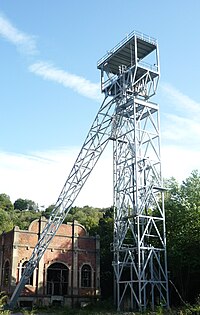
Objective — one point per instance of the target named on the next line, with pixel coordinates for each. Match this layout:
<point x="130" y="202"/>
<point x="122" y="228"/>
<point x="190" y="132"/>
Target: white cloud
<point x="180" y="134"/>
<point x="41" y="176"/>
<point x="180" y="100"/>
<point x="181" y="126"/>
<point x="25" y="43"/>
<point x="79" y="84"/>
<point x="179" y="162"/>
<point x="184" y="131"/>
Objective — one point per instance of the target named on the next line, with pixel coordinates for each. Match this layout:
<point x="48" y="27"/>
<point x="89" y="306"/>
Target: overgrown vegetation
<point x="182" y="205"/>
<point x="189" y="310"/>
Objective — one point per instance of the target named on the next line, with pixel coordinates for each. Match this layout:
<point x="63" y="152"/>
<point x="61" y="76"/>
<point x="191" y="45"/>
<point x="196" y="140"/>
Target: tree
<point x="5" y="203"/>
<point x="25" y="204"/>
<point x="48" y="211"/>
<point x="190" y="191"/>
<point x="20" y="204"/>
<point x="6" y="223"/>
<point x="105" y="231"/>
<point x="87" y="216"/>
<point x="182" y="204"/>
<point x="23" y="218"/>
<point x="31" y="205"/>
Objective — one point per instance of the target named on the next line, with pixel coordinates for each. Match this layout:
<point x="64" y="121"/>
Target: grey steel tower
<point x="127" y="117"/>
<point x="130" y="74"/>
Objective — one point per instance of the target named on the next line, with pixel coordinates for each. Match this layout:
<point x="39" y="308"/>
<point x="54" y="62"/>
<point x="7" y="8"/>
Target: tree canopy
<point x="182" y="205"/>
<point x="5" y="203"/>
<point x="25" y="204"/>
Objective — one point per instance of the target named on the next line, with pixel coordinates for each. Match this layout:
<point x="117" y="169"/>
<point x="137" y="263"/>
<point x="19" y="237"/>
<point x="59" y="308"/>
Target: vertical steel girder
<point x="139" y="244"/>
<point x="131" y="121"/>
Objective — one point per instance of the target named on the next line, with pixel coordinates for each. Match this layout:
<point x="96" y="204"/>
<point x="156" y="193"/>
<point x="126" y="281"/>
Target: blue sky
<point x="50" y="89"/>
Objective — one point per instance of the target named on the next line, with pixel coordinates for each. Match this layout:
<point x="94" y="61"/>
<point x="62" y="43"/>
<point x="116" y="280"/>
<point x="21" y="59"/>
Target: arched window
<point x="86" y="276"/>
<point x="6" y="274"/>
<point x="57" y="279"/>
<point x="30" y="280"/>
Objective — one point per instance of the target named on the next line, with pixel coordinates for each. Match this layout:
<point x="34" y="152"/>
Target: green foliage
<point x="3" y="298"/>
<point x="87" y="216"/>
<point x="48" y="211"/>
<point x="25" y="204"/>
<point x="105" y="231"/>
<point x="3" y="302"/>
<point x="23" y="219"/>
<point x="5" y="223"/>
<point x="5" y="203"/>
<point x="104" y="308"/>
<point x="20" y="204"/>
<point x="11" y="216"/>
<point x="182" y="204"/>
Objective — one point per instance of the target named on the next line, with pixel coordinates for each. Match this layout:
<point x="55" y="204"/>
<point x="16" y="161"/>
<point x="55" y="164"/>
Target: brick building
<point x="67" y="274"/>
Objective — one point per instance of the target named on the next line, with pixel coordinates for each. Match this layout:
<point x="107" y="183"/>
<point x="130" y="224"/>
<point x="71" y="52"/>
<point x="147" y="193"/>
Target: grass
<point x="188" y="310"/>
<point x="103" y="308"/>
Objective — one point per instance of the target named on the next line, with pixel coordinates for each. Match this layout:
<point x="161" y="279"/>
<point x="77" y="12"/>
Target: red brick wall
<point x="6" y="241"/>
<point x="60" y="248"/>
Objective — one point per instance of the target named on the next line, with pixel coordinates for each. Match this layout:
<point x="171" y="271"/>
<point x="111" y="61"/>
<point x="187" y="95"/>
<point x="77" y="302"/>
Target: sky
<point x="50" y="89"/>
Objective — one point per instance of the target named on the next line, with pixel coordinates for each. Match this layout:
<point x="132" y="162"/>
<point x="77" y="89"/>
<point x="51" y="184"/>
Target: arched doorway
<point x="57" y="279"/>
<point x="6" y="274"/>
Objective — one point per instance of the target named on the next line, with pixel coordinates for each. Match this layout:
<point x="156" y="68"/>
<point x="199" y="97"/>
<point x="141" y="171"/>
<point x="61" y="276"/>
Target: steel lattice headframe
<point x="129" y="78"/>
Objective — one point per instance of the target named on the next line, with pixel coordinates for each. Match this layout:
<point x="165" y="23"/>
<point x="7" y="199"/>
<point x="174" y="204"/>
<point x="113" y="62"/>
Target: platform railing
<point x="126" y="39"/>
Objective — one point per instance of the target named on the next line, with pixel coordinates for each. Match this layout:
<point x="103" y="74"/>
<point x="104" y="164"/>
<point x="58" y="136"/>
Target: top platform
<point x="124" y="52"/>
